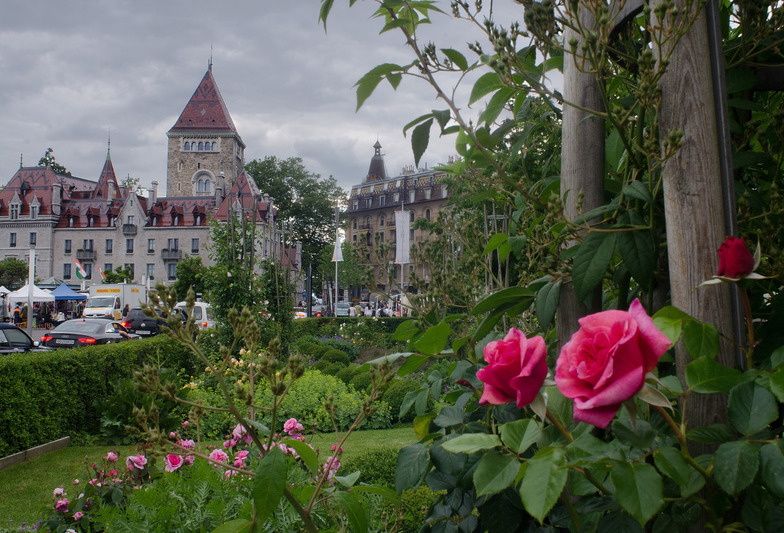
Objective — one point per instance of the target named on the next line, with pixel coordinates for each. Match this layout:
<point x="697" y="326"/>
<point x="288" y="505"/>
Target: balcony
<point x="85" y="255"/>
<point x="171" y="255"/>
<point x="364" y="227"/>
<point x="129" y="229"/>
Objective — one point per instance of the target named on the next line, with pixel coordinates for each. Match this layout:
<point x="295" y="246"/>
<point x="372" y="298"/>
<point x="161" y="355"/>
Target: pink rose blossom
<point x="605" y="362"/>
<point x="59" y="492"/>
<point x="172" y="434"/>
<point x="218" y="456"/>
<point x="185" y="424"/>
<point x="188" y="444"/>
<point x="240" y="434"/>
<point x="136" y="461"/>
<point x="231" y="443"/>
<point x="61" y="506"/>
<point x="189" y="460"/>
<point x="292" y="426"/>
<point x="173" y="462"/>
<point x="111" y="457"/>
<point x="78" y="515"/>
<point x="516" y="368"/>
<point x="113" y="473"/>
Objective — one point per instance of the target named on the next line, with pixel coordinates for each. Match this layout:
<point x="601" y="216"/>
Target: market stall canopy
<point x="50" y="283"/>
<point x="39" y="295"/>
<point x="3" y="290"/>
<point x="64" y="292"/>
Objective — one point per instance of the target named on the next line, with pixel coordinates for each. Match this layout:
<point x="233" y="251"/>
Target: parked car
<point x="15" y="340"/>
<point x="202" y="314"/>
<point x="139" y="323"/>
<point x="342" y="309"/>
<point x="302" y="312"/>
<point x="87" y="332"/>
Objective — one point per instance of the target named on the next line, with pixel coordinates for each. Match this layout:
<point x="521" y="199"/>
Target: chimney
<point x="111" y="191"/>
<point x="57" y="197"/>
<point x="152" y="193"/>
<point x="219" y="189"/>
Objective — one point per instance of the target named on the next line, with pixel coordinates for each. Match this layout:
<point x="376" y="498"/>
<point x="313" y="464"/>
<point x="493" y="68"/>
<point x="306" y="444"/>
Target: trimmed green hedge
<point x="48" y="395"/>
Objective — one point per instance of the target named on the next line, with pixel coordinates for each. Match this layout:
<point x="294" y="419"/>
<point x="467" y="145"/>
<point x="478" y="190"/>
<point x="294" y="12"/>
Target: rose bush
<point x="516" y="368"/>
<point x="735" y="260"/>
<point x="606" y="361"/>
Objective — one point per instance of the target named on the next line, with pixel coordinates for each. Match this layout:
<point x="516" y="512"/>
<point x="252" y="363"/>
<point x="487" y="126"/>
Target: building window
<point x="12" y="244"/>
<point x="411" y="236"/>
<point x="33" y="212"/>
<point x="130" y="219"/>
<point x="107" y="267"/>
<point x="411" y="196"/>
<point x="354" y="223"/>
<point x="67" y="271"/>
<point x="214" y="146"/>
<point x="90" y="221"/>
<point x="175" y="220"/>
<point x="411" y="216"/>
<point x="131" y="268"/>
<point x="174" y="244"/>
<point x="150" y="246"/>
<point x="33" y="238"/>
<point x="128" y="246"/>
<point x="109" y="246"/>
<point x="382" y="200"/>
<point x="172" y="271"/>
<point x="381" y="236"/>
<point x="88" y="268"/>
<point x="87" y="245"/>
<point x="397" y="197"/>
<point x="428" y="193"/>
<point x="356" y="204"/>
<point x="369" y="202"/>
<point x="68" y="246"/>
<point x="194" y="246"/>
<point x="150" y="270"/>
<point x="443" y="191"/>
<point x="381" y="220"/>
<point x="14" y="211"/>
<point x="427" y="214"/>
<point x="355" y="237"/>
<point x="187" y="146"/>
<point x="201" y="146"/>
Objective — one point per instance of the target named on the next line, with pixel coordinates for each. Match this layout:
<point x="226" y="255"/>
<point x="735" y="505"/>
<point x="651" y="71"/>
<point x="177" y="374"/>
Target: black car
<point x="14" y="340"/>
<point x="137" y="322"/>
<point x="87" y="332"/>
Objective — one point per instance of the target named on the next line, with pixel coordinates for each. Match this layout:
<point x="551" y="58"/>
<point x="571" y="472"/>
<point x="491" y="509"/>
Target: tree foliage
<point x="13" y="273"/>
<point x="48" y="160"/>
<point x="190" y="275"/>
<point x="119" y="275"/>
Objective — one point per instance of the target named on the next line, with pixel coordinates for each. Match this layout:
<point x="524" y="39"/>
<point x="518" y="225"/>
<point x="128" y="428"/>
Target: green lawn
<point x="27" y="488"/>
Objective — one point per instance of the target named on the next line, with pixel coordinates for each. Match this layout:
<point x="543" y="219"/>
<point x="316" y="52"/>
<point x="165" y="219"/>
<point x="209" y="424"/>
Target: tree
<point x="130" y="183"/>
<point x="304" y="199"/>
<point x="48" y="161"/>
<point x="190" y="275"/>
<point x="119" y="275"/>
<point x="13" y="273"/>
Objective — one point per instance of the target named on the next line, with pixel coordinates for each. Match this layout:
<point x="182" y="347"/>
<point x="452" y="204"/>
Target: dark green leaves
<point x="592" y="261"/>
<point x="495" y="472"/>
<point x="411" y="466"/>
<point x="638" y="488"/>
<point x="735" y="466"/>
<point x="705" y="375"/>
<point x="354" y="512"/>
<point x="751" y="408"/>
<point x="269" y="483"/>
<point x="434" y="339"/>
<point x="368" y="83"/>
<point x="543" y="481"/>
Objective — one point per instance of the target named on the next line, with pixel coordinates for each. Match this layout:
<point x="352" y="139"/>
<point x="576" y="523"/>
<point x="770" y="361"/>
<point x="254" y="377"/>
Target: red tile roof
<point x="206" y="110"/>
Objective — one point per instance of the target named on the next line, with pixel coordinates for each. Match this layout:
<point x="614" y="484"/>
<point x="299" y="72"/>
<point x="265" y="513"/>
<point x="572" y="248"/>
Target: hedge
<point x="48" y="395"/>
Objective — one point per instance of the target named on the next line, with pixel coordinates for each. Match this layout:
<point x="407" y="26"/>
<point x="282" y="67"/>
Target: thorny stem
<point x="750" y="328"/>
<point x="680" y="435"/>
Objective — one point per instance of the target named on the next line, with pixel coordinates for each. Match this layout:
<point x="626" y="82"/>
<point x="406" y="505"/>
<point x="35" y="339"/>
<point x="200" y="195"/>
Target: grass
<point x="27" y="488"/>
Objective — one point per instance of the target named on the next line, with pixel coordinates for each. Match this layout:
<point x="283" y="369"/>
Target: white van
<point x="202" y="314"/>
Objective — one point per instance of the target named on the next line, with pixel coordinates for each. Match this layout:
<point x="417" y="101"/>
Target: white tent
<point x="39" y="295"/>
<point x="3" y="290"/>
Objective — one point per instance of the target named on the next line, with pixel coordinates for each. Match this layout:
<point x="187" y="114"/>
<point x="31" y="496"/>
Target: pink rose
<point x="605" y="362"/>
<point x="111" y="457"/>
<point x="61" y="505"/>
<point x="218" y="456"/>
<point x="516" y="368"/>
<point x="185" y="424"/>
<point x="59" y="492"/>
<point x="136" y="461"/>
<point x="188" y="444"/>
<point x="173" y="462"/>
<point x="78" y="515"/>
<point x="735" y="260"/>
<point x="292" y="426"/>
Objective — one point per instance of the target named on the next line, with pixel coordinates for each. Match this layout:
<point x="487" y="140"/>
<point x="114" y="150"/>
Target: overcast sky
<point x="73" y="71"/>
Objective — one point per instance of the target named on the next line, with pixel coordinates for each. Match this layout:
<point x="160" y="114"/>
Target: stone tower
<point x="203" y="143"/>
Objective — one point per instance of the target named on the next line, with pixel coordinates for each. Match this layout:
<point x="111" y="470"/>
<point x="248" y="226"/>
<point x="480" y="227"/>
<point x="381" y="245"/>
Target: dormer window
<point x="428" y="193"/>
<point x="411" y="196"/>
<point x="175" y="220"/>
<point x="154" y="220"/>
<point x="14" y="211"/>
<point x="34" y="212"/>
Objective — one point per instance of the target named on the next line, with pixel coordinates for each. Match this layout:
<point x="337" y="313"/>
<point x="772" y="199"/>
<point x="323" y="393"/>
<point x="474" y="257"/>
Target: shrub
<point x="376" y="466"/>
<point x="305" y="402"/>
<point x="333" y="368"/>
<point x="361" y="381"/>
<point x="394" y="395"/>
<point x="346" y="374"/>
<point x="336" y="356"/>
<point x="47" y="395"/>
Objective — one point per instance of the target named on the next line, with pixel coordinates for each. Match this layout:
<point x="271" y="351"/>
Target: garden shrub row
<point x="48" y="395"/>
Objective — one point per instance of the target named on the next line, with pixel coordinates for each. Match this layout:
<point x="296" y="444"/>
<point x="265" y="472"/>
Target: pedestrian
<point x="126" y="309"/>
<point x="17" y="315"/>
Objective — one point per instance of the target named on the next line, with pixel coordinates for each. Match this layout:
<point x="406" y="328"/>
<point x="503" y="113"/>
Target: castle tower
<point x="202" y="143"/>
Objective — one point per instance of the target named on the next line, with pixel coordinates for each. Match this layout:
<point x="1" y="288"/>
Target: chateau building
<point x="103" y="225"/>
<point x="372" y="224"/>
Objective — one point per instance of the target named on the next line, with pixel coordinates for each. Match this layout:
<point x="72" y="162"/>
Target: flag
<point x="100" y="271"/>
<point x="337" y="255"/>
<point x="403" y="227"/>
<point x="81" y="273"/>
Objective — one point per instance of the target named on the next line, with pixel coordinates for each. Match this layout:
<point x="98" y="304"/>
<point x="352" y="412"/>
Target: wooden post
<point x="582" y="161"/>
<point x="693" y="207"/>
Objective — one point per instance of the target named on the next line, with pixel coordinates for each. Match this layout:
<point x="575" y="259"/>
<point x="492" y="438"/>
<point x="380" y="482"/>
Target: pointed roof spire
<point x="377" y="170"/>
<point x="206" y="110"/>
<point x="109" y="147"/>
<point x="107" y="176"/>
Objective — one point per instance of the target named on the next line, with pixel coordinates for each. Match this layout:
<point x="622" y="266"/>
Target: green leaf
<point x="385" y="492"/>
<point x="748" y="159"/>
<point x="456" y="58"/>
<point x="735" y="466"/>
<point x="495" y="472"/>
<point x="354" y="512"/>
<point x="700" y="339"/>
<point x="751" y="408"/>
<point x="591" y="262"/>
<point x="638" y="488"/>
<point x="544" y="480"/>
<point x="412" y="464"/>
<point x="349" y="480"/>
<point x="777" y="357"/>
<point x="638" y="190"/>
<point x="669" y="320"/>
<point x="240" y="525"/>
<point x="368" y="83"/>
<point x="405" y="331"/>
<point x="412" y="364"/>
<point x="706" y="376"/>
<point x="777" y="384"/>
<point x="451" y="415"/>
<point x="773" y="468"/>
<point x="486" y="84"/>
<point x="519" y="435"/>
<point x="672" y="464"/>
<point x="420" y="138"/>
<point x="514" y="294"/>
<point x="637" y="251"/>
<point x="547" y="300"/>
<point x="269" y="483"/>
<point x="517" y="243"/>
<point x="495" y="241"/>
<point x="306" y="453"/>
<point x="713" y="434"/>
<point x="442" y="117"/>
<point x="434" y="339"/>
<point x="472" y="442"/>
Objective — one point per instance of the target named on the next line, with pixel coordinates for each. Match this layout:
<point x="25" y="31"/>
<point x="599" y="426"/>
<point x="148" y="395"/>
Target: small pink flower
<point x="219" y="456"/>
<point x="231" y="443"/>
<point x="172" y="434"/>
<point x="111" y="457"/>
<point x="189" y="460"/>
<point x="188" y="444"/>
<point x="185" y="424"/>
<point x="59" y="492"/>
<point x="335" y="447"/>
<point x="61" y="506"/>
<point x="173" y="462"/>
<point x="240" y="434"/>
<point x="241" y="455"/>
<point x="78" y="515"/>
<point x="136" y="461"/>
<point x="292" y="427"/>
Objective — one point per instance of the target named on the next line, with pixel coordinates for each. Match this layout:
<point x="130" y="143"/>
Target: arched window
<point x="207" y="146"/>
<point x="206" y="185"/>
<point x="187" y="146"/>
<point x="427" y="214"/>
<point x="381" y="220"/>
<point x="154" y="220"/>
<point x="411" y="216"/>
<point x="201" y="146"/>
<point x="354" y="223"/>
<point x="200" y="188"/>
<point x="174" y="220"/>
<point x="198" y="220"/>
<point x="214" y="146"/>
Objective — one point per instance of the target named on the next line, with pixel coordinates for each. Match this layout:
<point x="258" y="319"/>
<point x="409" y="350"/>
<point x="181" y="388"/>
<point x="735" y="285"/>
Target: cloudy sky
<point x="73" y="72"/>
